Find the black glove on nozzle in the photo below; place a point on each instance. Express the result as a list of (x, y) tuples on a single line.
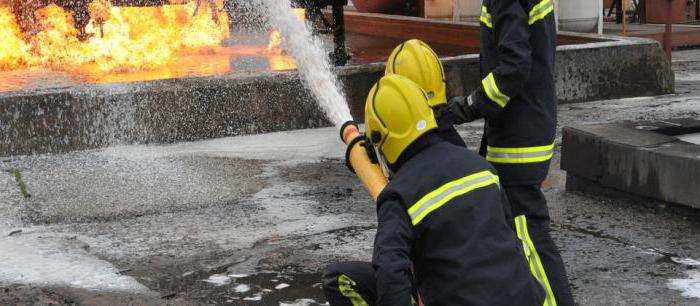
[(462, 109)]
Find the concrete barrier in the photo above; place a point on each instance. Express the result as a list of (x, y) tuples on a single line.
[(641, 158), (91, 116)]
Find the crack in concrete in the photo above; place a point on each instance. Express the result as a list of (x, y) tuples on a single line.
[(17, 173), (602, 235), (597, 234)]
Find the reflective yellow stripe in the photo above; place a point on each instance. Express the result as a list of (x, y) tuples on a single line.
[(533, 259), (449, 191), (541, 10), (485, 17), (523, 155), (345, 285), (492, 90)]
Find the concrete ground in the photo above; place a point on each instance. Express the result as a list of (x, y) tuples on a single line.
[(253, 220)]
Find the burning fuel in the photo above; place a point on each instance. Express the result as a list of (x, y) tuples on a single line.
[(277, 55), (134, 37), (116, 39)]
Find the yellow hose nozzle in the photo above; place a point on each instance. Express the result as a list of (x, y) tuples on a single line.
[(369, 173)]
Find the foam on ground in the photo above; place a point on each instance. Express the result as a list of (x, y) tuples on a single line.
[(49, 263), (690, 287), (299, 145)]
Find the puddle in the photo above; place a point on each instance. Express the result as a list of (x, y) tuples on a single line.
[(255, 289), (302, 302)]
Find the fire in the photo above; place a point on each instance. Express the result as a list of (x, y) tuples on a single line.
[(274, 48), (135, 38), (125, 44), (14, 52)]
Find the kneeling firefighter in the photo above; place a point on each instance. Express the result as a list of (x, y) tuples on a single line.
[(442, 232)]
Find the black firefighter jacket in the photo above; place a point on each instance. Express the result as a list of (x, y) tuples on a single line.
[(517, 93), (442, 218)]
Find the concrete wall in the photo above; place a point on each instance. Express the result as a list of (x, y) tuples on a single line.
[(584, 72), (59, 120)]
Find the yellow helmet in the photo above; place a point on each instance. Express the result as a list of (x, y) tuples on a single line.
[(397, 112), (415, 60)]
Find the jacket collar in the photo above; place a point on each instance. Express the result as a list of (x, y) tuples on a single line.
[(424, 141)]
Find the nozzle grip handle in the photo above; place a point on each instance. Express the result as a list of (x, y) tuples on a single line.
[(348, 150)]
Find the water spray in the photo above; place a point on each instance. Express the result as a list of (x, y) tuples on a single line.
[(312, 61), (313, 67)]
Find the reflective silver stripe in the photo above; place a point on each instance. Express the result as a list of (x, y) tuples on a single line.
[(520, 155), (433, 200), (523, 155), (541, 10), (485, 17), (493, 92)]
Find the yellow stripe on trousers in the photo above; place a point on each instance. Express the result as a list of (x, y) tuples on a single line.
[(533, 259), (346, 287)]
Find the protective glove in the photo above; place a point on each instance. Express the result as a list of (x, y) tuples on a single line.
[(463, 110)]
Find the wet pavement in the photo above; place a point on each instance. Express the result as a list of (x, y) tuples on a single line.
[(253, 220)]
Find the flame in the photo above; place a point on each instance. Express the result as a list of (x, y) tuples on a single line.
[(139, 43), (276, 55), (14, 52), (275, 42), (135, 38)]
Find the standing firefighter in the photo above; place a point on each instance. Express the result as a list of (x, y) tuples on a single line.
[(442, 228), (517, 99)]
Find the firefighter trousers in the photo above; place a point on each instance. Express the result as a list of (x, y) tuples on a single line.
[(531, 218), (350, 284)]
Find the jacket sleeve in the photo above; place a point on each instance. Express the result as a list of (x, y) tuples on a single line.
[(511, 29), (392, 247)]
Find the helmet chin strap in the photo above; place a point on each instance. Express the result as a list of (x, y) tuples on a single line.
[(380, 157), (384, 165)]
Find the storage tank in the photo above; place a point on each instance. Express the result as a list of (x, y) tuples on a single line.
[(579, 15)]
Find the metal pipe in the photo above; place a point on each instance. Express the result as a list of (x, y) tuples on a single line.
[(340, 55), (668, 35), (601, 20), (369, 173), (624, 17)]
